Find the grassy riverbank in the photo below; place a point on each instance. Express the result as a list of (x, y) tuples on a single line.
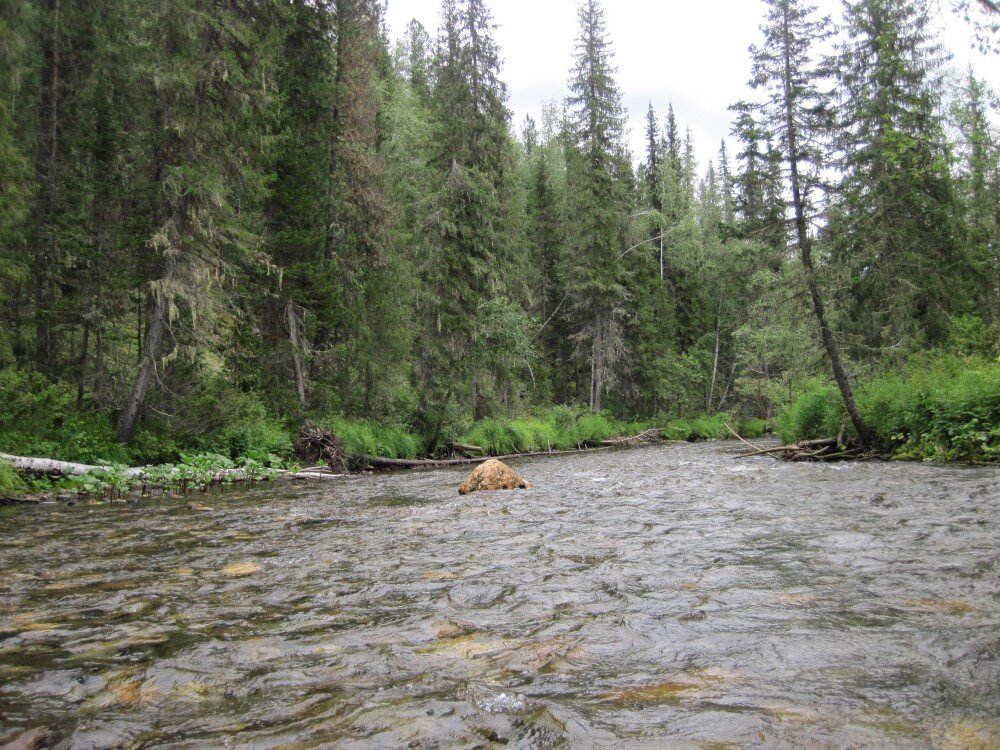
[(944, 407)]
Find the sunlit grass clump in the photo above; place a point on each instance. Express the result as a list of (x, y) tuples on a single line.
[(363, 438)]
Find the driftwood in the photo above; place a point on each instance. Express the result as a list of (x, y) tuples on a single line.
[(316, 444), (823, 449), (465, 448), (47, 467), (429, 463), (643, 438)]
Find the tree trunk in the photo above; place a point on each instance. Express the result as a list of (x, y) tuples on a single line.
[(82, 364), (715, 358), (46, 155), (598, 371), (476, 411), (147, 365), (865, 434), (293, 335)]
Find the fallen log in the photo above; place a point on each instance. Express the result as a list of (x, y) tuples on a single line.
[(417, 463), (464, 448), (767, 451), (47, 467), (429, 463), (649, 436)]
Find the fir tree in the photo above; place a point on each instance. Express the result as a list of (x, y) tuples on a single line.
[(979, 187), (474, 159), (785, 69), (213, 97), (596, 197), (897, 237)]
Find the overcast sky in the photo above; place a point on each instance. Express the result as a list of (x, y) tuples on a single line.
[(693, 54)]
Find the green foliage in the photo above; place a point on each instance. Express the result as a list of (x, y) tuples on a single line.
[(709, 428), (497, 437), (233, 200), (372, 439), (559, 428), (677, 429), (949, 409), (945, 407), (752, 428), (10, 480), (817, 413), (39, 418)]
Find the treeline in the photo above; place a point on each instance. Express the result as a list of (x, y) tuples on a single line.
[(252, 212)]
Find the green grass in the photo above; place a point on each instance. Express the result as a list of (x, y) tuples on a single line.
[(559, 428), (363, 438), (10, 480)]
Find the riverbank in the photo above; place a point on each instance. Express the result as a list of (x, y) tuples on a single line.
[(271, 449), (942, 408)]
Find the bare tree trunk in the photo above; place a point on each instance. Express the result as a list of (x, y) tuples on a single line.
[(715, 359), (99, 365), (47, 152), (476, 411), (147, 366), (82, 364), (293, 335), (598, 374), (729, 386), (865, 434)]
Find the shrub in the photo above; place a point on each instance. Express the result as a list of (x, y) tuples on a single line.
[(708, 428), (752, 428), (946, 407), (40, 418), (817, 413), (592, 429), (676, 429)]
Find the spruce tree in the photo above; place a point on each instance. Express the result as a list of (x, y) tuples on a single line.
[(211, 82), (897, 237), (597, 198), (978, 184), (784, 67), (474, 159)]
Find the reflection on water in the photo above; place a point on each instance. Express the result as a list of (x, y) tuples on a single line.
[(672, 596)]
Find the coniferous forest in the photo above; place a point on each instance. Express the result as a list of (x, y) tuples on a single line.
[(220, 221)]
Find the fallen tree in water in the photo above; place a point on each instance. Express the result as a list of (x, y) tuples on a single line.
[(822, 449), (198, 473)]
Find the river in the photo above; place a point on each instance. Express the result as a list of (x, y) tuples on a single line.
[(674, 596)]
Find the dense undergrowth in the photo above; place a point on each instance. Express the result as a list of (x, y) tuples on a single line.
[(944, 406)]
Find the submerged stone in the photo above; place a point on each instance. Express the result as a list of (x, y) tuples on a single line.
[(492, 475), (237, 570)]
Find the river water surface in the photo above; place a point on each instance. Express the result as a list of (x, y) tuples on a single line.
[(671, 596)]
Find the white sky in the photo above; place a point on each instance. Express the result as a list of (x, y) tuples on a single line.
[(691, 53)]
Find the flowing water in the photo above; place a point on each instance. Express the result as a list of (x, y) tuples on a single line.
[(671, 596)]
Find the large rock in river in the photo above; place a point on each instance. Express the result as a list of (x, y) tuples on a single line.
[(493, 475)]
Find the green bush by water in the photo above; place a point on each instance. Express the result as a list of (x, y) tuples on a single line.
[(373, 439), (40, 418), (946, 407)]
